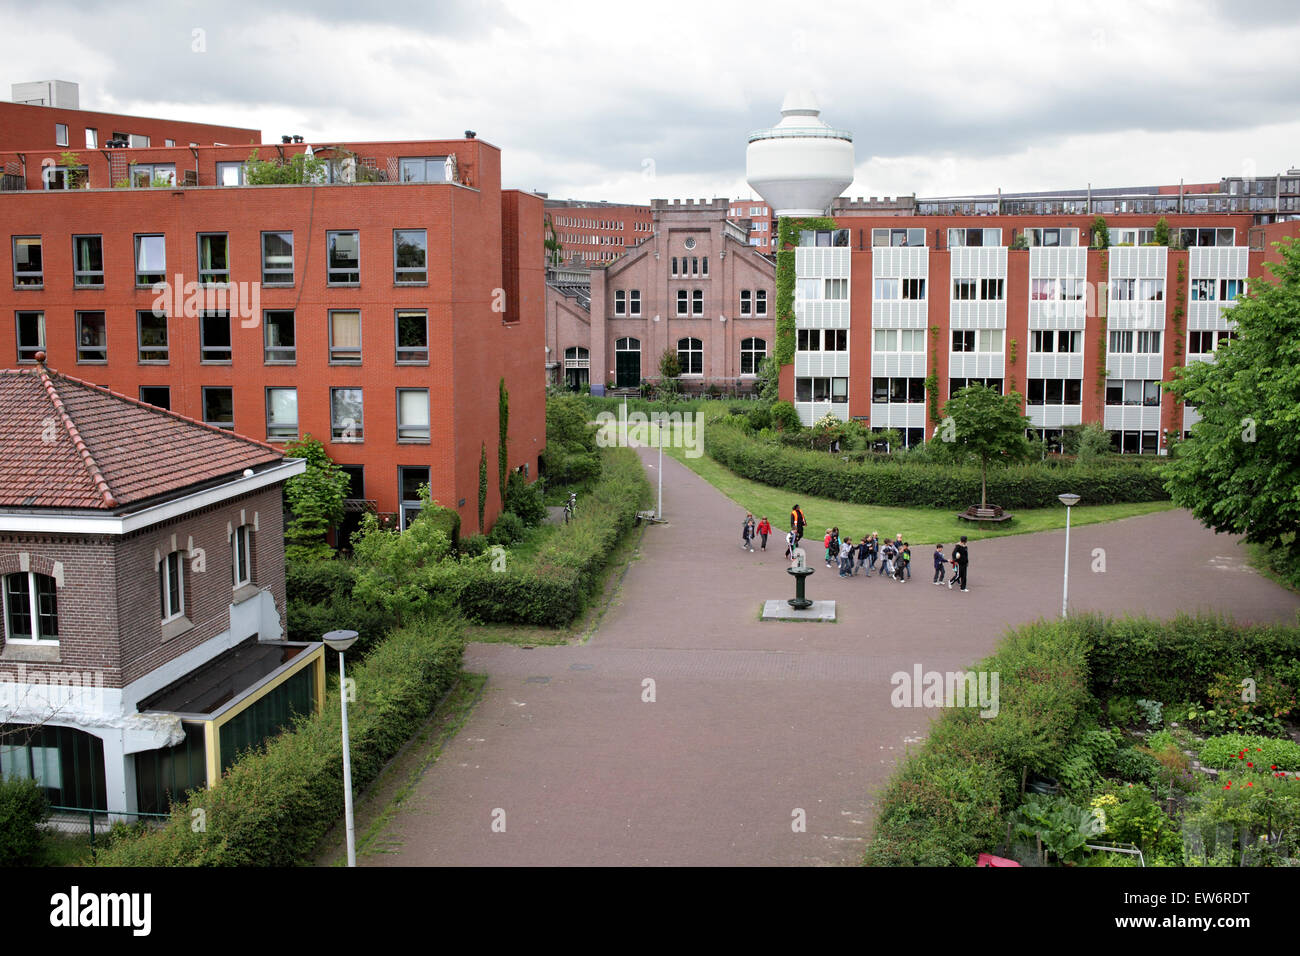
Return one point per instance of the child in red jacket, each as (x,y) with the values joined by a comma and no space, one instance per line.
(764,529)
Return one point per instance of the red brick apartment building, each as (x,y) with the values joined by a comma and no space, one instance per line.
(1011,292)
(142,580)
(374,307)
(596,232)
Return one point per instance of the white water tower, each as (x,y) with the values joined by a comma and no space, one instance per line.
(800,165)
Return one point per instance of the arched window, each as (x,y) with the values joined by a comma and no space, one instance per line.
(31,608)
(627,363)
(752,353)
(690,352)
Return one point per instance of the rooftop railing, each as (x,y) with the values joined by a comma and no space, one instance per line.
(794,132)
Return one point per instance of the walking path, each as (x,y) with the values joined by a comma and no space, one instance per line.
(752,721)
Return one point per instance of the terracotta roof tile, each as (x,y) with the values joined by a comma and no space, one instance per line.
(65,443)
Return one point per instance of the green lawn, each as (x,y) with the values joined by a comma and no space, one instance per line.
(917,525)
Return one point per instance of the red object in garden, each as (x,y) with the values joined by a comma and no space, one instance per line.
(988,859)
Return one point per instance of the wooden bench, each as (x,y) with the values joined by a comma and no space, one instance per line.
(991,513)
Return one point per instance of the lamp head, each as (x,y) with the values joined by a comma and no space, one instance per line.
(1068,500)
(340,640)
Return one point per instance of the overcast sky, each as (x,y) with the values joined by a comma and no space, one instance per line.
(629,101)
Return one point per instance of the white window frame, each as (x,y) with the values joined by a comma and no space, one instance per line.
(164,581)
(33,608)
(241,545)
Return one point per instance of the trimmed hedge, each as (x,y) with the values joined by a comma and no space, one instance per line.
(276,803)
(320,600)
(920,484)
(949,801)
(552,588)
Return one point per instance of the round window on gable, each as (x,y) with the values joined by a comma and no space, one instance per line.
(690,242)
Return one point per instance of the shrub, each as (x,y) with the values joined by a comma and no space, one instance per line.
(508,529)
(446,520)
(1136,818)
(760,418)
(274,804)
(524,499)
(1270,702)
(320,600)
(474,545)
(1135,765)
(918,483)
(1239,751)
(784,417)
(23,808)
(554,586)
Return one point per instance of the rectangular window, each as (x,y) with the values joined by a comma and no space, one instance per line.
(92,339)
(746,302)
(145,175)
(837,288)
(760,302)
(410,256)
(809,288)
(705,262)
(31,335)
(28,262)
(911,340)
(634,303)
(230,174)
(151,332)
(914,289)
(1040,341)
(620,302)
(150,260)
(1231,288)
(1151,290)
(963,290)
(886,289)
(277,258)
(989,340)
(214,337)
(1069,342)
(344,253)
(879,390)
(821,389)
(412,337)
(345,338)
(281,414)
(897,237)
(1148,342)
(963,340)
(809,340)
(241,570)
(409,482)
(214,258)
(87,261)
(172,586)
(885,340)
(835,340)
(1203,290)
(1043,290)
(413,414)
(219,407)
(92,138)
(974,237)
(1121,342)
(60,134)
(345,415)
(279,339)
(1123,290)
(424,169)
(682,299)
(697,302)
(159,396)
(991,289)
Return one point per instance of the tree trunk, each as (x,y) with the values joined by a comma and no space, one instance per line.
(984,497)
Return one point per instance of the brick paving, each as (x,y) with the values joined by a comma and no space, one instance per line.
(751,720)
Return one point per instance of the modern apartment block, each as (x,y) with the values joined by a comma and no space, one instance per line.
(142,580)
(374,306)
(696,287)
(1013,291)
(595,232)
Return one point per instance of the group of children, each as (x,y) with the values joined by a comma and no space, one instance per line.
(894,558)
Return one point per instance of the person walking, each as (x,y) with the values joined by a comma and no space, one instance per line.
(940,565)
(797,524)
(873,551)
(961,556)
(906,571)
(764,529)
(789,545)
(827,542)
(862,556)
(747,534)
(887,554)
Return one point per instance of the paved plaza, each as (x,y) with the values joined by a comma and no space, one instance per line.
(753,721)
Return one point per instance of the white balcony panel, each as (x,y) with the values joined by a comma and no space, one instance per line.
(1138,262)
(898,365)
(1190,417)
(813,262)
(1123,365)
(1218,262)
(1055,416)
(1210,316)
(821,313)
(900,262)
(810,412)
(1058,262)
(1058,313)
(1054,365)
(1126,314)
(821,364)
(978,315)
(976,365)
(899,314)
(979,262)
(1131,418)
(894,415)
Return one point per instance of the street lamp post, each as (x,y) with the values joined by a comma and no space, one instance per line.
(1069,501)
(340,641)
(659,513)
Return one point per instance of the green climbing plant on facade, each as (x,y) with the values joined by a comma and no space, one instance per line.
(932,380)
(787,239)
(503,437)
(482,486)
